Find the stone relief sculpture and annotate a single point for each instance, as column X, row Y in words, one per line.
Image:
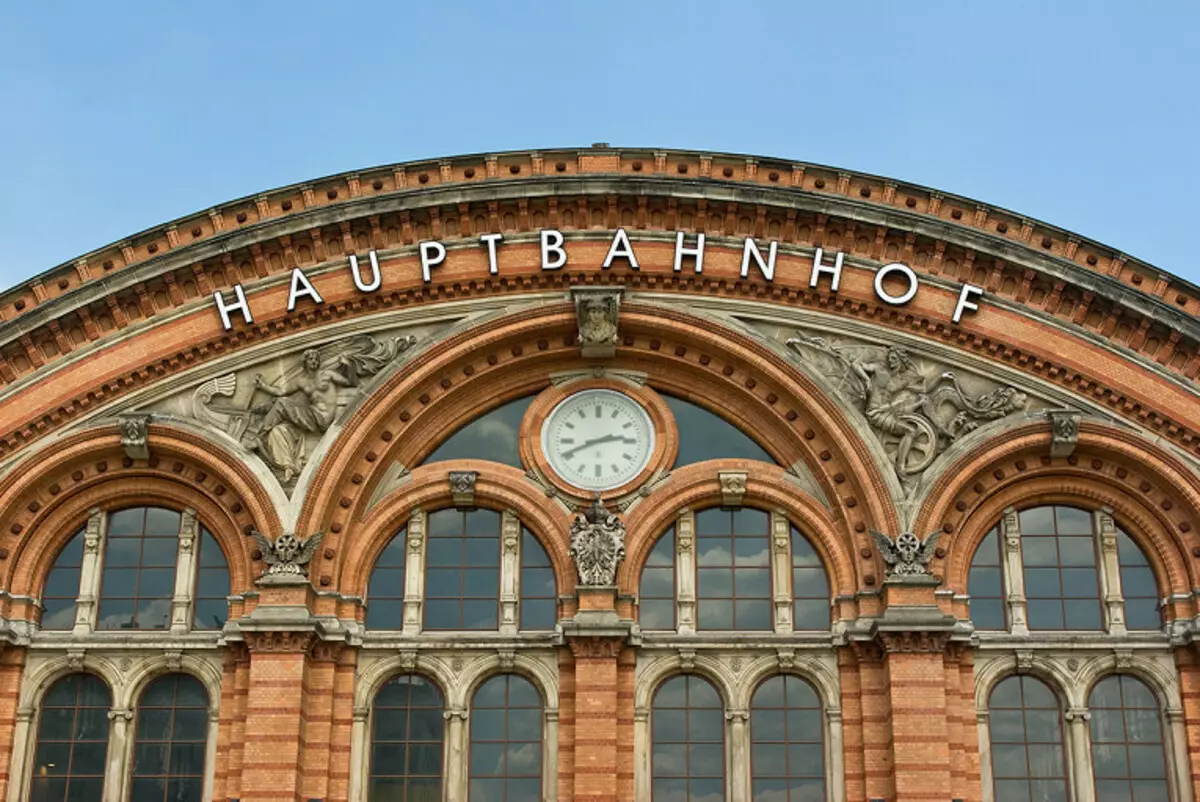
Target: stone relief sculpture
column 597, row 545
column 287, row 558
column 916, row 412
column 596, row 310
column 285, row 415
column 906, row 555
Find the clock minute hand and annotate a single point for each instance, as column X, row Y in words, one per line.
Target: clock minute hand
column 608, row 438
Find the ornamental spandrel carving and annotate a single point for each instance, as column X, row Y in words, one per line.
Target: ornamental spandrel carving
column 281, row 413
column 287, row 558
column 597, row 545
column 906, row 555
column 914, row 406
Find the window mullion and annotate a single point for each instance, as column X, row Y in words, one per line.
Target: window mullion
column 185, row 574
column 1014, row 573
column 120, row 755
column 781, row 570
column 510, row 570
column 414, row 572
column 685, row 572
column 737, row 736
column 95, row 536
column 1079, row 750
column 1110, row 573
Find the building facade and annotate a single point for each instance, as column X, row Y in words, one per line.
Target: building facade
column 600, row 474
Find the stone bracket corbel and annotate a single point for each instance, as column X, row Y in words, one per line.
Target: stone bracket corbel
column 462, row 487
column 135, row 435
column 733, row 487
column 596, row 313
column 1064, row 431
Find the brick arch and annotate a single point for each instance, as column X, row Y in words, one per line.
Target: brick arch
column 47, row 497
column 1153, row 497
column 498, row 487
column 722, row 369
column 766, row 488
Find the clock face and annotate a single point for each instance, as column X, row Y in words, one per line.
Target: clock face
column 598, row 439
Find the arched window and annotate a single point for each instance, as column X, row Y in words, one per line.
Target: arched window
column 985, row 584
column 1025, row 723
column 211, row 606
column 810, row 586
column 1137, row 586
column 62, row 586
column 1128, row 759
column 385, row 592
column 539, row 597
column 171, row 741
column 506, row 741
column 139, row 569
column 462, row 570
column 704, row 436
column 492, row 436
column 787, row 753
column 1058, row 552
column 406, row 741
column 688, row 726
column 72, row 741
column 733, row 569
column 656, row 593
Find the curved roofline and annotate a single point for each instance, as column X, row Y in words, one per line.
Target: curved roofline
column 598, row 149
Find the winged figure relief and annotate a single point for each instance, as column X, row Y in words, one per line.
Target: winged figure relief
column 906, row 555
column 288, row 556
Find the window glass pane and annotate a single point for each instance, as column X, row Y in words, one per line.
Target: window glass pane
column 406, row 740
column 985, row 584
column 505, row 762
column 462, row 589
column 171, row 733
column 138, row 581
column 1025, row 726
column 1138, row 586
column 62, row 586
column 810, row 586
column 787, row 738
column 656, row 593
column 732, row 590
column 212, row 584
column 705, row 436
column 491, row 436
column 1128, row 754
column 1062, row 584
column 688, row 752
column 385, row 591
column 72, row 741
column 538, row 593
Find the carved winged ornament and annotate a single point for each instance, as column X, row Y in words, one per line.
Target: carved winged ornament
column 597, row 545
column 906, row 555
column 287, row 558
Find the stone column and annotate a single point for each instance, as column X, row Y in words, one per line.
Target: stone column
column 642, row 767
column 210, row 749
column 360, row 760
column 1110, row 573
column 116, row 771
column 1177, row 754
column 1079, row 754
column 95, row 534
column 185, row 574
column 685, row 572
column 414, row 572
column 1014, row 573
column 835, row 762
column 22, row 752
column 781, row 571
column 737, row 736
column 985, row 755
column 456, row 755
column 510, row 569
column 550, row 756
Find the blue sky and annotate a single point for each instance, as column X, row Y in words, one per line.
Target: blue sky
column 117, row 116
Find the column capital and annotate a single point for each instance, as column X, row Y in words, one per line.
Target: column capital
column 737, row 715
column 120, row 714
column 1080, row 714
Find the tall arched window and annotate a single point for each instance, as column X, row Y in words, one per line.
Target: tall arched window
column 171, row 741
column 406, row 741
column 688, row 726
column 462, row 570
column 1025, row 723
column 787, row 753
column 656, row 593
column 1058, row 551
column 1137, row 586
column 72, row 741
column 539, row 596
column 139, row 569
column 810, row 585
column 211, row 606
column 506, row 741
column 385, row 592
column 1128, row 759
column 985, row 584
column 733, row 569
column 62, row 586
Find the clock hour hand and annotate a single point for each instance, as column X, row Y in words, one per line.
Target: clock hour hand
column 608, row 438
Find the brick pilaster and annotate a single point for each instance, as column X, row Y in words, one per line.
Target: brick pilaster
column 275, row 727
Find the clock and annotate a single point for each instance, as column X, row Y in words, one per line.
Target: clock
column 598, row 439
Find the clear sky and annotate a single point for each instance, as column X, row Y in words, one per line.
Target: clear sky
column 117, row 116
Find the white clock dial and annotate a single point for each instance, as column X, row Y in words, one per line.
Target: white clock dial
column 598, row 439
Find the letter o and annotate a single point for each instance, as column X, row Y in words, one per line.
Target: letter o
column 896, row 300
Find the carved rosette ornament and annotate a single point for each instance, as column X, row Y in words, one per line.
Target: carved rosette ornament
column 596, row 311
column 597, row 545
column 906, row 556
column 287, row 558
